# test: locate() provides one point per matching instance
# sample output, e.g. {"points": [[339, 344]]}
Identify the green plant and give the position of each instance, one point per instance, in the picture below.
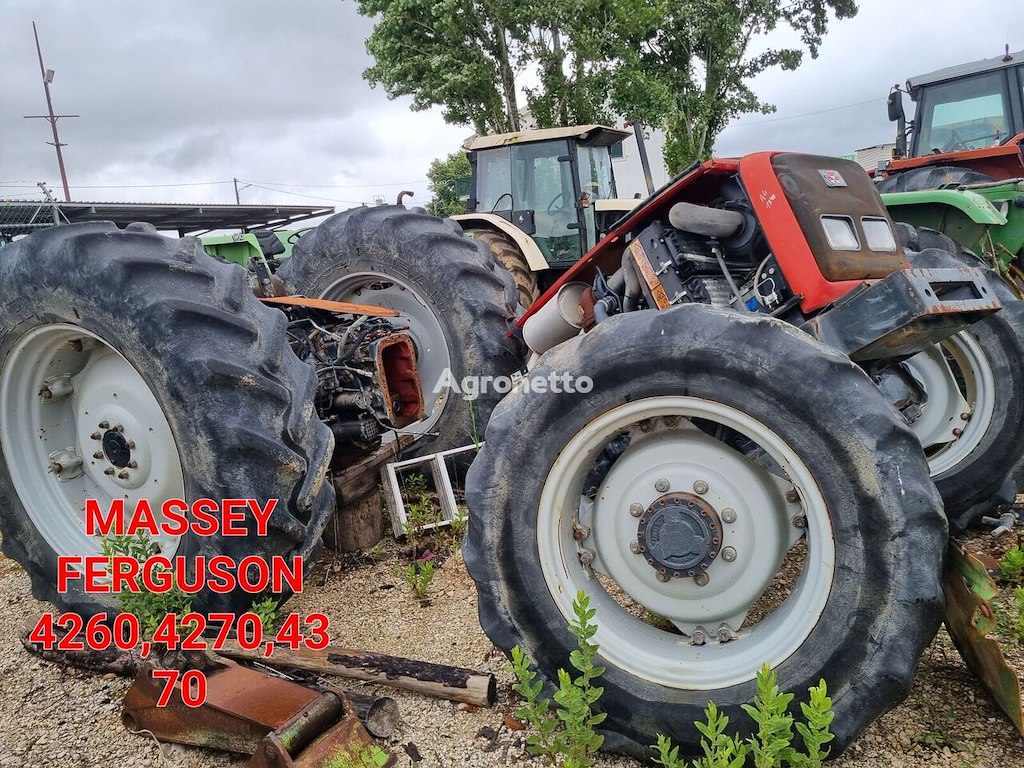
{"points": [[267, 611], [150, 607], [418, 576], [772, 744], [1017, 625], [1012, 565], [415, 483], [568, 731]]}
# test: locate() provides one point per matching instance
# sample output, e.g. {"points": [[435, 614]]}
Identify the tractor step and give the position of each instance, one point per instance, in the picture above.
{"points": [[905, 312], [439, 470]]}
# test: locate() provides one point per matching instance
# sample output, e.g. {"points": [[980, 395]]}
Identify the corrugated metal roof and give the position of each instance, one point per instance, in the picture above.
{"points": [[19, 217], [596, 135], [963, 70]]}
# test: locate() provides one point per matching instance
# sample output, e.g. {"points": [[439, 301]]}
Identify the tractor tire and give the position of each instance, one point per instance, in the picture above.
{"points": [[458, 302], [790, 446], [511, 258], [984, 467], [134, 366], [932, 177]]}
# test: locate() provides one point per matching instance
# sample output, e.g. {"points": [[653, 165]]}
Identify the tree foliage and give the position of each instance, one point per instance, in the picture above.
{"points": [[684, 66], [443, 174]]}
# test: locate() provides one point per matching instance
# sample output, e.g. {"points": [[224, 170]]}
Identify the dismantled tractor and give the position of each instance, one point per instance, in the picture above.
{"points": [[743, 481], [135, 366]]}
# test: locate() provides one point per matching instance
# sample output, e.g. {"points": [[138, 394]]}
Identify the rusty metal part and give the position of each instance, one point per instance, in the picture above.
{"points": [[341, 307], [279, 722], [970, 621], [921, 308], [400, 380]]}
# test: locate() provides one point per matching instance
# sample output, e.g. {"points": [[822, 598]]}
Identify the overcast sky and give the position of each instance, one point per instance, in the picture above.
{"points": [[185, 91]]}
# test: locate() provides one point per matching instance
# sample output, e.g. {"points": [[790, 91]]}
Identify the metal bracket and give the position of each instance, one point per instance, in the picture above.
{"points": [[442, 484]]}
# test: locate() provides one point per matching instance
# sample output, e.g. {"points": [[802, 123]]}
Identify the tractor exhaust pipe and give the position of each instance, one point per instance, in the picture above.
{"points": [[557, 321]]}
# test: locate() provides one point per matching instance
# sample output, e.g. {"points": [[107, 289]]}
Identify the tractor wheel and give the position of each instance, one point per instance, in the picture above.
{"points": [[457, 301], [729, 494], [134, 366], [932, 177], [511, 258], [971, 425]]}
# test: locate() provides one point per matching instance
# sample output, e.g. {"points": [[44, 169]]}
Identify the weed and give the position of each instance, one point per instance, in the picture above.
{"points": [[418, 576], [568, 731], [1012, 565], [150, 607], [772, 744], [267, 611], [415, 484]]}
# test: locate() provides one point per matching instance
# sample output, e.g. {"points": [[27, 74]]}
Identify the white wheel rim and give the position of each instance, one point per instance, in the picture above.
{"points": [[763, 517], [432, 355], [946, 435], [105, 390]]}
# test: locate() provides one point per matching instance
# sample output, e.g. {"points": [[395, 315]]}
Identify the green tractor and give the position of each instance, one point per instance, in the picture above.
{"points": [[959, 167], [540, 199]]}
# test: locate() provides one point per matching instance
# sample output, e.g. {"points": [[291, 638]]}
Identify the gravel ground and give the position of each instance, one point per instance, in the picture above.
{"points": [[59, 717]]}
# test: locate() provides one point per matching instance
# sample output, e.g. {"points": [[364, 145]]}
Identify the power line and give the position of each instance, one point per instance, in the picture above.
{"points": [[340, 186], [740, 122], [149, 186], [310, 197]]}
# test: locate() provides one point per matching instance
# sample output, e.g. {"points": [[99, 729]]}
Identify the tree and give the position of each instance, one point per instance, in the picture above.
{"points": [[473, 57], [444, 173], [685, 64]]}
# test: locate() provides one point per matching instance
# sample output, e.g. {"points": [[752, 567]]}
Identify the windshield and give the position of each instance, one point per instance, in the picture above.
{"points": [[966, 114], [595, 165]]}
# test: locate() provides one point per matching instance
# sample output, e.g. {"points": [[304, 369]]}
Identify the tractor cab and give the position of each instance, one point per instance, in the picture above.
{"points": [[553, 185], [966, 107]]}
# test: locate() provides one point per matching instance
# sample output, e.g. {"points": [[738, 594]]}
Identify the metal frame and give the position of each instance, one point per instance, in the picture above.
{"points": [[442, 484]]}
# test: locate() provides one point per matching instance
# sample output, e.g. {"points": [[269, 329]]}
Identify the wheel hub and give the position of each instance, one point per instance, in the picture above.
{"points": [[115, 448], [680, 534]]}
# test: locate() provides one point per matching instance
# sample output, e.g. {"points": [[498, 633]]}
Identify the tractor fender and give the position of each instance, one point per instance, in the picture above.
{"points": [[974, 206], [530, 250]]}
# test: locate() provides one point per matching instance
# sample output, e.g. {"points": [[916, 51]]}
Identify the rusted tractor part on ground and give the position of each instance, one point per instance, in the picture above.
{"points": [[278, 722], [970, 620]]}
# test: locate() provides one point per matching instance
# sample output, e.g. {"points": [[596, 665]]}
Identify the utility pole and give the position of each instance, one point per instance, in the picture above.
{"points": [[52, 118]]}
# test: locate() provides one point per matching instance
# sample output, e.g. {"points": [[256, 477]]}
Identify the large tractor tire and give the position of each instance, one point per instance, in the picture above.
{"points": [[511, 258], [458, 302], [732, 448], [972, 424], [134, 366]]}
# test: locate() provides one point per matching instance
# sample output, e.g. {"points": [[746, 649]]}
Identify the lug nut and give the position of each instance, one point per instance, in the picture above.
{"points": [[661, 485], [724, 635], [104, 425], [698, 637], [579, 532], [634, 547], [98, 455], [799, 521], [792, 496], [108, 471], [966, 415], [636, 509], [663, 575], [699, 486], [119, 428], [133, 464], [728, 515], [957, 431], [586, 557], [131, 445], [123, 474], [96, 435], [701, 579], [728, 554]]}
